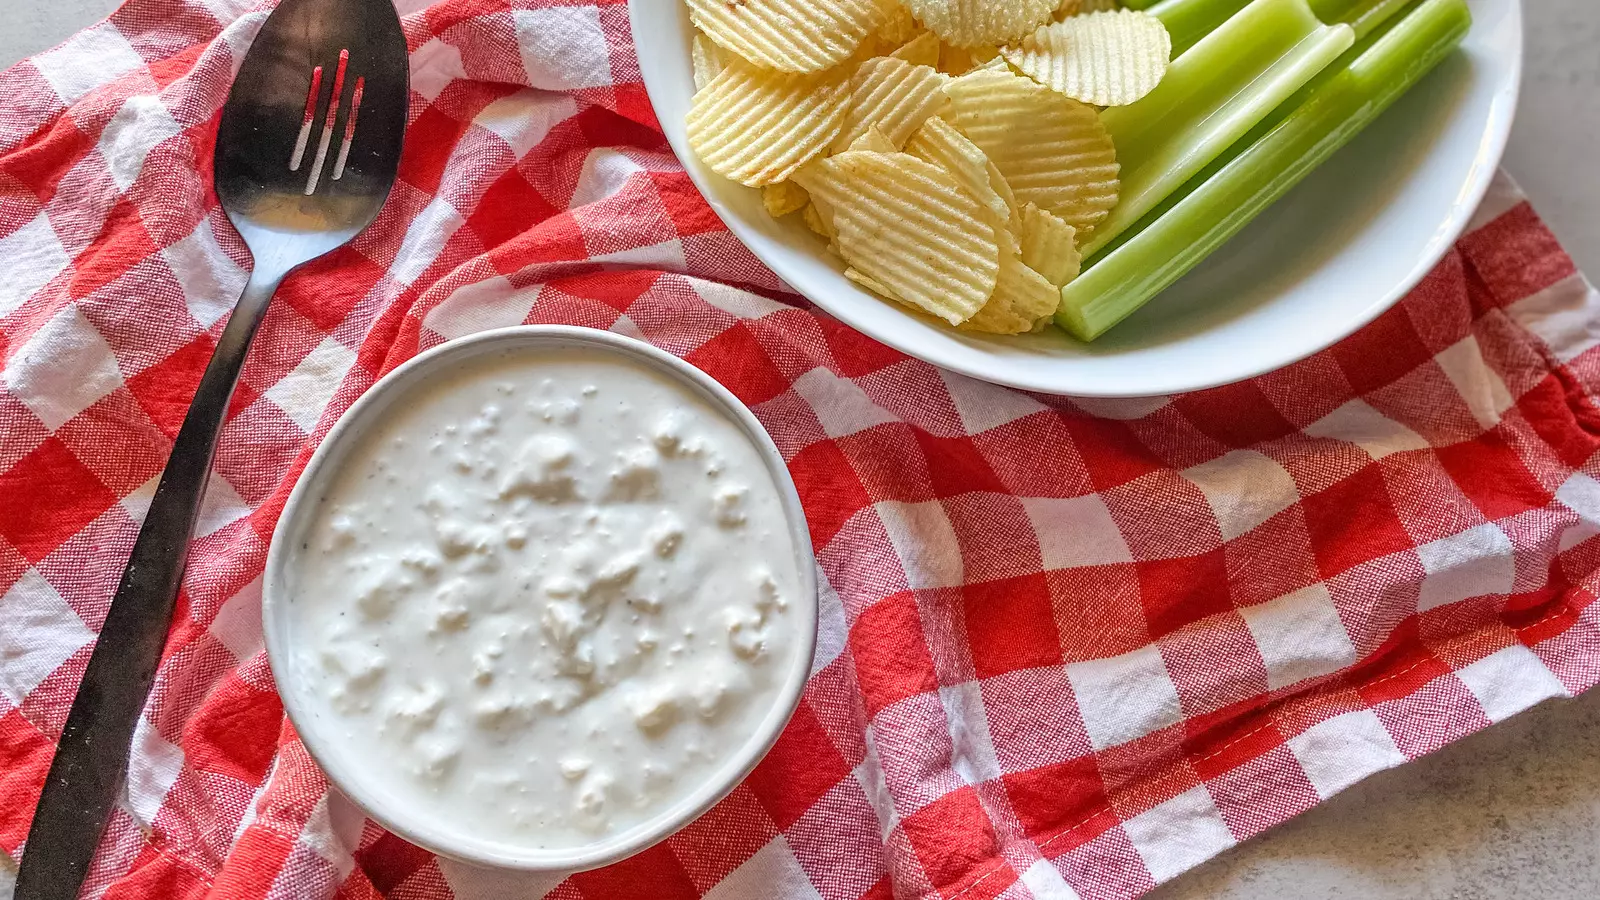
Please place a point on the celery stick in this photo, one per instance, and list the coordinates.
(1362, 15)
(1188, 21)
(1333, 113)
(1210, 98)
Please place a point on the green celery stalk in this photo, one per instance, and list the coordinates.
(1188, 21)
(1210, 98)
(1347, 98)
(1364, 16)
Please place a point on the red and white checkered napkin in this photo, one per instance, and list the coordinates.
(1068, 649)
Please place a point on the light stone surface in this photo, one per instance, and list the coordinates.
(1513, 812)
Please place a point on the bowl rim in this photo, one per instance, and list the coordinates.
(1491, 151)
(299, 510)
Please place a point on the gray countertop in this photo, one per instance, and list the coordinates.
(1511, 812)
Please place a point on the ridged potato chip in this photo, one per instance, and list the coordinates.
(1104, 58)
(706, 57)
(938, 142)
(790, 35)
(907, 225)
(814, 221)
(757, 127)
(875, 141)
(783, 198)
(1052, 150)
(1022, 298)
(922, 50)
(899, 25)
(894, 96)
(1049, 246)
(961, 60)
(970, 23)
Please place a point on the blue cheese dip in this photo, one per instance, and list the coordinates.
(545, 597)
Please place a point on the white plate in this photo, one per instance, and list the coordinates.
(1335, 253)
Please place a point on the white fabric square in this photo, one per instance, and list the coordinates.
(153, 766)
(1480, 386)
(1245, 488)
(771, 872)
(304, 392)
(525, 118)
(468, 882)
(1075, 532)
(492, 303)
(1358, 423)
(136, 129)
(1343, 750)
(1300, 636)
(211, 280)
(1045, 882)
(1509, 681)
(333, 831)
(840, 404)
(237, 625)
(927, 545)
(87, 60)
(1581, 494)
(1179, 834)
(424, 239)
(875, 785)
(221, 507)
(833, 628)
(1475, 563)
(433, 66)
(666, 256)
(33, 257)
(983, 406)
(604, 173)
(1562, 315)
(63, 369)
(972, 754)
(38, 632)
(1122, 409)
(1125, 697)
(563, 47)
(734, 302)
(137, 502)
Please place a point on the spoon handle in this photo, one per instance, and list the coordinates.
(91, 760)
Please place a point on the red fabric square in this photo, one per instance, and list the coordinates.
(1099, 612)
(1381, 352)
(1011, 625)
(954, 839)
(802, 766)
(1183, 590)
(891, 654)
(829, 490)
(165, 390)
(1493, 475)
(726, 835)
(1111, 452)
(47, 497)
(509, 207)
(234, 731)
(1238, 415)
(654, 874)
(1352, 522)
(1052, 801)
(736, 359)
(955, 466)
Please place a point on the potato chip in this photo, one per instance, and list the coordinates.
(899, 25)
(1052, 150)
(893, 95)
(922, 50)
(938, 142)
(707, 59)
(783, 198)
(1049, 246)
(814, 221)
(1070, 8)
(790, 35)
(870, 283)
(961, 60)
(874, 141)
(1104, 58)
(970, 23)
(1022, 298)
(907, 225)
(757, 127)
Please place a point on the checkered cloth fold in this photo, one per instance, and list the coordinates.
(1068, 648)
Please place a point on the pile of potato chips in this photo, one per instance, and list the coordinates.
(950, 151)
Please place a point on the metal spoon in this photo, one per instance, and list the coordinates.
(306, 153)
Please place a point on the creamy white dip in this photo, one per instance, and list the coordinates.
(545, 597)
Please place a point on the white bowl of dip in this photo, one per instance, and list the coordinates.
(541, 597)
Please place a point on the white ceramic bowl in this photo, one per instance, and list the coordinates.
(1336, 252)
(302, 507)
